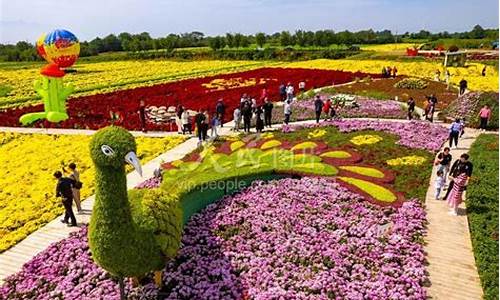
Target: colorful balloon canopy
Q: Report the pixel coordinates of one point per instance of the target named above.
(59, 47)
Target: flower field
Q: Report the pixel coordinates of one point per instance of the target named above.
(27, 187)
(120, 107)
(318, 247)
(472, 72)
(102, 77)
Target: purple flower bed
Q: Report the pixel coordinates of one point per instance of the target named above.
(368, 108)
(414, 134)
(288, 239)
(150, 183)
(464, 107)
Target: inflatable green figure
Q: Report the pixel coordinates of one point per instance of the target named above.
(60, 48)
(54, 94)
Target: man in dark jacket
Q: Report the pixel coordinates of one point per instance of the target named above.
(268, 112)
(64, 190)
(318, 107)
(282, 89)
(220, 108)
(246, 112)
(411, 108)
(200, 120)
(463, 87)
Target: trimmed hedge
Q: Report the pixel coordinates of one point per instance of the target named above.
(482, 211)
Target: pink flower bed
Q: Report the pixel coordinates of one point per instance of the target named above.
(414, 134)
(288, 239)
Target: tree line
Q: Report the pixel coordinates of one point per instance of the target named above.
(24, 51)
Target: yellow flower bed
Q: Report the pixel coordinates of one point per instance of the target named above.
(221, 84)
(316, 133)
(91, 78)
(27, 186)
(387, 47)
(365, 139)
(472, 72)
(412, 160)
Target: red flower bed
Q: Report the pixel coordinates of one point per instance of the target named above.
(96, 111)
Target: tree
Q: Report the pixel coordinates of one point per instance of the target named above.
(216, 43)
(285, 39)
(477, 32)
(230, 40)
(260, 39)
(300, 38)
(112, 43)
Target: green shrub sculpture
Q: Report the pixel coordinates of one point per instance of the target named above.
(411, 83)
(129, 235)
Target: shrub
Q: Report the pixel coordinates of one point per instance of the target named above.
(453, 48)
(411, 83)
(482, 211)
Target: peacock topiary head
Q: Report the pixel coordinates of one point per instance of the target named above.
(113, 147)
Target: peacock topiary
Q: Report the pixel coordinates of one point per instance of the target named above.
(129, 234)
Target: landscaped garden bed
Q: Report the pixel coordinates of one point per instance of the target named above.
(27, 199)
(468, 106)
(482, 211)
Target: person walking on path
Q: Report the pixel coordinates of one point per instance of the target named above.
(237, 118)
(318, 107)
(178, 116)
(289, 91)
(455, 129)
(287, 109)
(302, 86)
(483, 72)
(142, 115)
(428, 111)
(463, 87)
(394, 72)
(326, 108)
(200, 120)
(64, 190)
(220, 109)
(439, 184)
(259, 123)
(437, 75)
(443, 161)
(411, 108)
(484, 115)
(247, 116)
(282, 91)
(214, 124)
(186, 125)
(447, 79)
(460, 166)
(75, 175)
(268, 112)
(461, 177)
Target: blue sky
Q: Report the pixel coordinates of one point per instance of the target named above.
(27, 19)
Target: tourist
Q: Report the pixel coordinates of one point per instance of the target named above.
(411, 108)
(439, 183)
(282, 90)
(178, 115)
(388, 72)
(318, 107)
(75, 175)
(394, 72)
(447, 79)
(384, 72)
(142, 115)
(302, 86)
(243, 99)
(254, 105)
(463, 87)
(220, 109)
(247, 116)
(186, 125)
(259, 123)
(460, 165)
(443, 161)
(268, 112)
(437, 75)
(237, 118)
(200, 120)
(287, 109)
(333, 111)
(429, 115)
(461, 171)
(214, 123)
(289, 91)
(326, 108)
(484, 115)
(462, 128)
(455, 129)
(263, 94)
(205, 125)
(483, 72)
(64, 189)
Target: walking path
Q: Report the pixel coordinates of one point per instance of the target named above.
(452, 269)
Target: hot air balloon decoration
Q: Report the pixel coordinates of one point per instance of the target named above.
(60, 48)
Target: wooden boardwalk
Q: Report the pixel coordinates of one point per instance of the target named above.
(452, 269)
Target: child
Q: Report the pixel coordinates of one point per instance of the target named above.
(215, 123)
(439, 183)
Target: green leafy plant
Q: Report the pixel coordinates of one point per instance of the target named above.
(411, 83)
